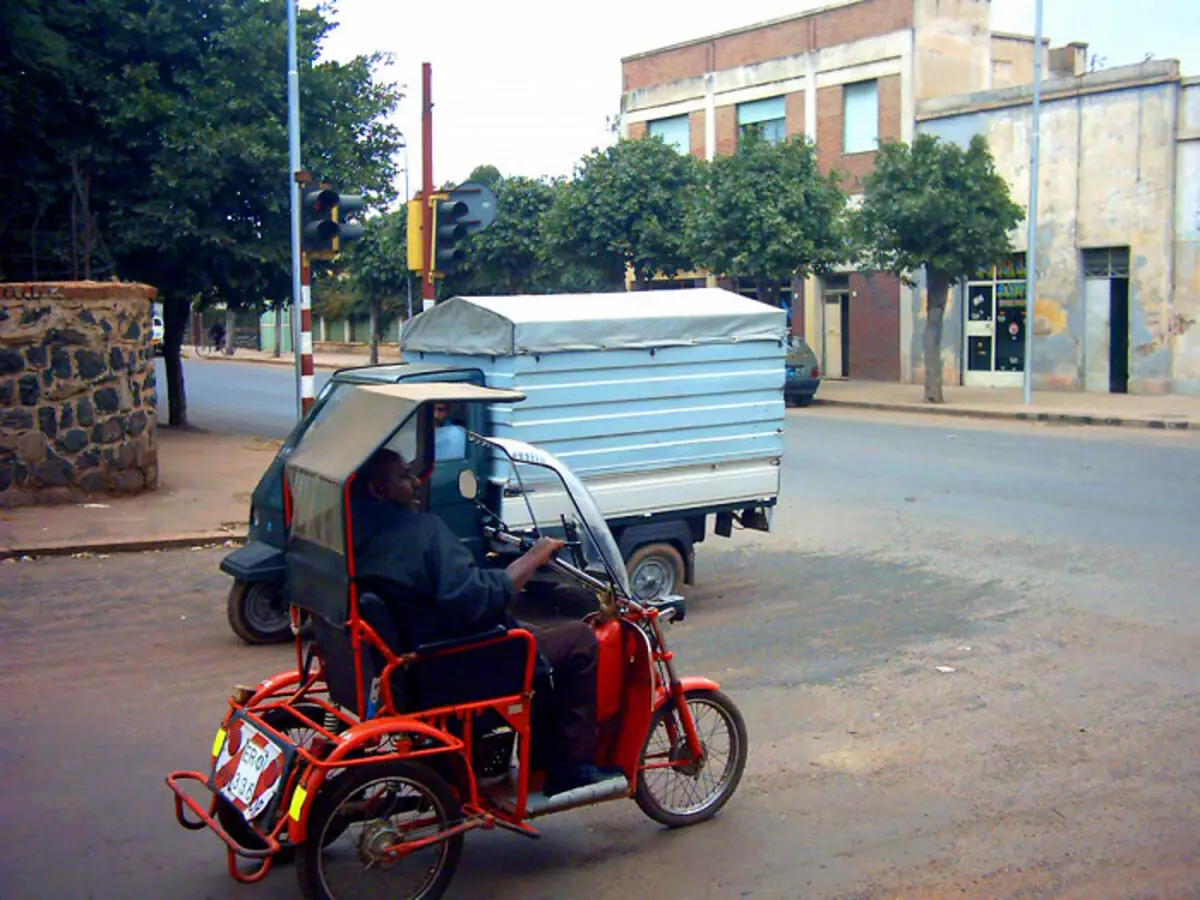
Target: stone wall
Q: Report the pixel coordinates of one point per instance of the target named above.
(77, 392)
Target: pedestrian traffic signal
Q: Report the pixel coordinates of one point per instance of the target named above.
(324, 214)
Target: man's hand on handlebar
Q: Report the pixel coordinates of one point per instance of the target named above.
(521, 569)
(543, 550)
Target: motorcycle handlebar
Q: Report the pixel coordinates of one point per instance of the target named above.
(558, 565)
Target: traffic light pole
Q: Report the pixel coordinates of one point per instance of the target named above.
(293, 89)
(304, 349)
(427, 294)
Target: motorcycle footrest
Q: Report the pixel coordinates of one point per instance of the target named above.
(540, 804)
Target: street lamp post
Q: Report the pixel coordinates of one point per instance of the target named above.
(1031, 253)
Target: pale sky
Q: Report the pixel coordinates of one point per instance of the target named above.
(526, 85)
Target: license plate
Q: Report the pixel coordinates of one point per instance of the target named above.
(250, 768)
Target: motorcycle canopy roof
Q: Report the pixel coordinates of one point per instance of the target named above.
(345, 434)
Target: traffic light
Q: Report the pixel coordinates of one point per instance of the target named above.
(324, 213)
(449, 230)
(458, 214)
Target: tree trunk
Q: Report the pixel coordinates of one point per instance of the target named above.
(230, 328)
(176, 313)
(278, 329)
(937, 285)
(375, 304)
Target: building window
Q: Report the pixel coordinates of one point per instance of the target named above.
(673, 131)
(860, 117)
(768, 117)
(1111, 263)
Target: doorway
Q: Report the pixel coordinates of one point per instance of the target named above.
(994, 329)
(1106, 310)
(836, 337)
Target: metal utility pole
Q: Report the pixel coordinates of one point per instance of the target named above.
(293, 88)
(427, 293)
(1031, 253)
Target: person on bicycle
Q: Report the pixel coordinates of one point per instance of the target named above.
(216, 333)
(418, 554)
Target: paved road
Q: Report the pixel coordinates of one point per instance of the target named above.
(1053, 571)
(238, 398)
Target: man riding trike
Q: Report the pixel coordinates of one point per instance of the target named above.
(419, 708)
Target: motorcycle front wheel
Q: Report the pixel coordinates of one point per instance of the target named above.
(689, 793)
(257, 613)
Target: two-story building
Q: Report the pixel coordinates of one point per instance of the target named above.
(852, 74)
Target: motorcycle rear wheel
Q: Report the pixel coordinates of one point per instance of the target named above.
(371, 808)
(688, 794)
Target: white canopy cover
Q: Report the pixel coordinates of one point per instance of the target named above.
(527, 324)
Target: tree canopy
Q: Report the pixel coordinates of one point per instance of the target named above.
(153, 140)
(936, 206)
(626, 206)
(766, 214)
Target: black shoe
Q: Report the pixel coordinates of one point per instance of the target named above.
(559, 781)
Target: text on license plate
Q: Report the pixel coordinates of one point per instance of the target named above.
(249, 770)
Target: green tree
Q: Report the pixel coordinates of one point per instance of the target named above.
(487, 175)
(175, 162)
(935, 206)
(767, 214)
(378, 270)
(625, 206)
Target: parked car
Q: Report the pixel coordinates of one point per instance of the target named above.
(156, 335)
(803, 374)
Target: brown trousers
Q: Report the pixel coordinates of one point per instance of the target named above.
(572, 652)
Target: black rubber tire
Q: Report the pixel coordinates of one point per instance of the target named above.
(806, 400)
(659, 555)
(232, 821)
(245, 611)
(645, 797)
(331, 796)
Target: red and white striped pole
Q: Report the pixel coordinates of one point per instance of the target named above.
(305, 347)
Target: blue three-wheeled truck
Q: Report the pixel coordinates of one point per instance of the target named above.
(667, 404)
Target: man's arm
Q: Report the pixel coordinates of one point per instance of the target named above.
(467, 593)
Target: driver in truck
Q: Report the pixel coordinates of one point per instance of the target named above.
(439, 592)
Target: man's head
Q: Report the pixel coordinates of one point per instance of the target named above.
(387, 477)
(440, 413)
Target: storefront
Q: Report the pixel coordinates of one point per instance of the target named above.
(995, 326)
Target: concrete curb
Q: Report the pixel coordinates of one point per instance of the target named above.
(137, 545)
(1017, 416)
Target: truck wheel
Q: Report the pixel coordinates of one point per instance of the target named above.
(257, 613)
(655, 572)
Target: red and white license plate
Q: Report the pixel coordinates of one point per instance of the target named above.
(250, 768)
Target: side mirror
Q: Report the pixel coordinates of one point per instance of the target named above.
(468, 485)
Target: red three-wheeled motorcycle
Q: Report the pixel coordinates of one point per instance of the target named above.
(371, 760)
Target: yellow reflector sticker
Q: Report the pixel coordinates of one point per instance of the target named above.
(218, 741)
(298, 797)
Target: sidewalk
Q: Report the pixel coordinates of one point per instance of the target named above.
(1169, 411)
(203, 497)
(322, 359)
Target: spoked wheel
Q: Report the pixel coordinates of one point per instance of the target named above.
(374, 811)
(294, 730)
(695, 791)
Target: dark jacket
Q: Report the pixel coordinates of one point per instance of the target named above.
(429, 580)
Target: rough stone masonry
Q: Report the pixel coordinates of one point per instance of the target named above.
(77, 392)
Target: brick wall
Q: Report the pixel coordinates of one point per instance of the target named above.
(726, 130)
(794, 107)
(637, 130)
(856, 166)
(843, 25)
(874, 327)
(696, 133)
